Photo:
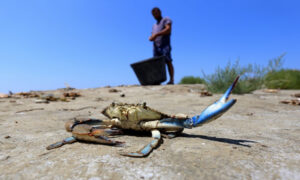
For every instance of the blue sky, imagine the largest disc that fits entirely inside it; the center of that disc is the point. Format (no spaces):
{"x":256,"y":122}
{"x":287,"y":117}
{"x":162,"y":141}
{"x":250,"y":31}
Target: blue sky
{"x":87,"y":44}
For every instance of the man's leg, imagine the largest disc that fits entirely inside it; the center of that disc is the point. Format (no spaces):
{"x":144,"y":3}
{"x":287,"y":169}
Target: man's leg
{"x":167,"y":53}
{"x":171,"y":72}
{"x":156,"y":51}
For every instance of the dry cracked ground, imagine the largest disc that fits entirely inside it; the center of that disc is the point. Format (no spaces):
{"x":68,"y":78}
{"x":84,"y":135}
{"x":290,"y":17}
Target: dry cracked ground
{"x":259,"y":138}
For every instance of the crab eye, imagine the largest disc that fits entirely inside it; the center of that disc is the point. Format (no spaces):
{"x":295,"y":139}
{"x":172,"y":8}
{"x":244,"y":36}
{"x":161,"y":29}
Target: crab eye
{"x":144,"y":104}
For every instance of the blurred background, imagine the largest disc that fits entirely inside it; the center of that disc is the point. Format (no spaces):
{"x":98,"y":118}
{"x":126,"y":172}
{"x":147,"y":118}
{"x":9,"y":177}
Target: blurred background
{"x":87,"y":44}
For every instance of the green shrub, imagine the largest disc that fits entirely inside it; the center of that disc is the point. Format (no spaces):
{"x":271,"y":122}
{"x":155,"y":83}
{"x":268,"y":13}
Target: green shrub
{"x":252,"y":77}
{"x":192,"y":80}
{"x":283,"y":79}
{"x":222,"y":78}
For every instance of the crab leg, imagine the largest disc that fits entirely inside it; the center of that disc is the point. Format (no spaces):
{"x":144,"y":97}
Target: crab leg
{"x":79,"y":121}
{"x":68,"y":140}
{"x":213,"y":111}
{"x":146,"y":150}
{"x":104,"y":140}
{"x":83,"y":131}
{"x":99,"y":136}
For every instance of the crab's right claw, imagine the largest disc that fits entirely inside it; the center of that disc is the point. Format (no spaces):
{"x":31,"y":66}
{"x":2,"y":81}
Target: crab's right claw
{"x":213,"y":111}
{"x":68,"y":140}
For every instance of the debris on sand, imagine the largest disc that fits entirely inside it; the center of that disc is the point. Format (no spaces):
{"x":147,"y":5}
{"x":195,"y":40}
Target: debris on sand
{"x":100,"y":99}
{"x":40,"y":101}
{"x":28,"y":110}
{"x":27,"y":94}
{"x":31,"y":94}
{"x":49,"y":97}
{"x":271,"y":90}
{"x":72,"y":94}
{"x":44,"y":98}
{"x":67,"y":89}
{"x":205,"y":93}
{"x":113,"y":90}
{"x":250,"y":114}
{"x":296,"y":95}
{"x":292,"y":101}
{"x":79,"y":109}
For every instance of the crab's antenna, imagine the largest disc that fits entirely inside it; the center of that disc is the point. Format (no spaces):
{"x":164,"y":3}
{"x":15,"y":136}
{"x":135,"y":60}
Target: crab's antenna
{"x":213,"y":111}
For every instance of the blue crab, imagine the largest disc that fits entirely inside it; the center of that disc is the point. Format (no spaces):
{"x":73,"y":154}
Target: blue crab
{"x":140,"y":117}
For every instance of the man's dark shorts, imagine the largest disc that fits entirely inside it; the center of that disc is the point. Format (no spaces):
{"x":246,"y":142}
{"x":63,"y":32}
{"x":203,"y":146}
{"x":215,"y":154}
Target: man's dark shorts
{"x":163,"y":51}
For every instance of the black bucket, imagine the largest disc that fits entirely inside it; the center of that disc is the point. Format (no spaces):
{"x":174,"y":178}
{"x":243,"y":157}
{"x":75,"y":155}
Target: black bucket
{"x":150,"y":71}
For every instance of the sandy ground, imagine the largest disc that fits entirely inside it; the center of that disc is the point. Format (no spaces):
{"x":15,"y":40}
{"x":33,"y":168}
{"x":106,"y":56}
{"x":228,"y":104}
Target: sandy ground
{"x":259,"y":138}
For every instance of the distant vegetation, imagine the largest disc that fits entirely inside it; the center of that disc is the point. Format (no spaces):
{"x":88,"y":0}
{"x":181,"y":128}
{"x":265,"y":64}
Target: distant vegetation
{"x":283,"y":79}
{"x":252,"y":77}
{"x":192,"y":80}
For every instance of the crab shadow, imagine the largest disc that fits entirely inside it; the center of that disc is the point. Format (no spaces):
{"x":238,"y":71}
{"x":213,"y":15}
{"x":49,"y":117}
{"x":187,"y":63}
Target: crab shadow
{"x":239,"y":142}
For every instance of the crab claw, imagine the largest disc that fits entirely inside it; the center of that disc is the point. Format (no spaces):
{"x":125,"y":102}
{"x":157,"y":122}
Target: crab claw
{"x":213,"y":111}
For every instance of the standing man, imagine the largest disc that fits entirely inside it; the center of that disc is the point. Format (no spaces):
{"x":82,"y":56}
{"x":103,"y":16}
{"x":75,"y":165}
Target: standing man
{"x":161,"y":32}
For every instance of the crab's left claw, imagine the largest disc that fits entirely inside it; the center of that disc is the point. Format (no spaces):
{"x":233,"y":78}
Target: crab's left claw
{"x":145,"y":151}
{"x":213,"y":111}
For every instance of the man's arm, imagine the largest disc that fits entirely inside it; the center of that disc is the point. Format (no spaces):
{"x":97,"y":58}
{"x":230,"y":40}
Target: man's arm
{"x":165,"y":31}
